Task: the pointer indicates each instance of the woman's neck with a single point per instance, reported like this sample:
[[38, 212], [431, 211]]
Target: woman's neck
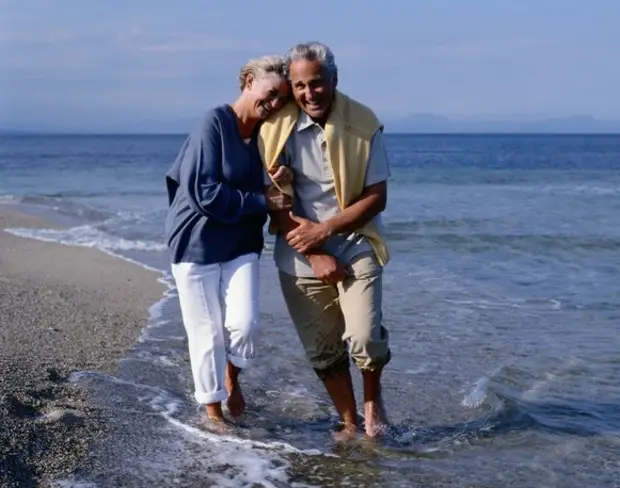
[[245, 122]]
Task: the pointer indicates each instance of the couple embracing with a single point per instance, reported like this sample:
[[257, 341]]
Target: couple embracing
[[294, 150]]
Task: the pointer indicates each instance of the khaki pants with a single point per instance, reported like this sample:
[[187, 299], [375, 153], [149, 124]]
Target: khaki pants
[[326, 317]]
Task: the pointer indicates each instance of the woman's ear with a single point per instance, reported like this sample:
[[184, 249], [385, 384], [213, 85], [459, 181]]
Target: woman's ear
[[249, 80]]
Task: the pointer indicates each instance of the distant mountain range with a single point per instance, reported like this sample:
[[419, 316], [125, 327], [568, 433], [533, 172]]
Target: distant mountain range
[[430, 123], [417, 123]]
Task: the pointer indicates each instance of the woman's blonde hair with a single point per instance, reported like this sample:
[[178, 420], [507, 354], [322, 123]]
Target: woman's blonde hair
[[260, 67]]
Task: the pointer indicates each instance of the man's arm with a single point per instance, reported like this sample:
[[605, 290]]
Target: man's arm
[[282, 221], [367, 207], [324, 266], [308, 235]]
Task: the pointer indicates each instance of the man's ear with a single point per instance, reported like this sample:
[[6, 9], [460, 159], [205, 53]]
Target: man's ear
[[335, 80]]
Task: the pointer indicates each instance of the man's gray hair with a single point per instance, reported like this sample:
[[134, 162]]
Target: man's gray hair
[[313, 51]]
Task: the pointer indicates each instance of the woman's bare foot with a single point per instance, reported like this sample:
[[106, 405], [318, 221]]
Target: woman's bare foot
[[214, 413], [375, 417], [236, 402], [214, 419], [218, 426]]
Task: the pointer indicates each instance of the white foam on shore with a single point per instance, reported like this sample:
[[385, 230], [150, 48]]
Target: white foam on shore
[[73, 483], [88, 236], [229, 461]]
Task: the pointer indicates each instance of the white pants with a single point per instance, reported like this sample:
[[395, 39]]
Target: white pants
[[214, 297]]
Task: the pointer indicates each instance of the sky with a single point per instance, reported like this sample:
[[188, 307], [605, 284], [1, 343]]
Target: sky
[[95, 63]]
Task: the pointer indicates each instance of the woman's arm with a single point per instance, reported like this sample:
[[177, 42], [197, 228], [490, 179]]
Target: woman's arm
[[201, 178]]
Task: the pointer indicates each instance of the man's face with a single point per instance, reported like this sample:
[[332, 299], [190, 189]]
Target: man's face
[[312, 90]]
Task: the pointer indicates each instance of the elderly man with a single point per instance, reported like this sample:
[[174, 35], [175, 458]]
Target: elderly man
[[330, 251]]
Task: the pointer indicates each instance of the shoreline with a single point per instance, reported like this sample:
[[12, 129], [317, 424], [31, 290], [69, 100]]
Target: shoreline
[[62, 309]]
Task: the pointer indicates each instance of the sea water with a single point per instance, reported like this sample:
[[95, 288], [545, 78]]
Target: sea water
[[502, 300]]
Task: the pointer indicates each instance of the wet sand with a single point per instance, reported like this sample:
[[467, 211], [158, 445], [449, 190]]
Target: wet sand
[[62, 309]]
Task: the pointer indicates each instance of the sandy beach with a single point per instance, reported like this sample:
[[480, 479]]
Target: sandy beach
[[62, 309]]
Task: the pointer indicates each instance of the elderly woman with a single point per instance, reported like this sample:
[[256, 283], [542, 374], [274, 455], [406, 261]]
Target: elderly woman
[[214, 231]]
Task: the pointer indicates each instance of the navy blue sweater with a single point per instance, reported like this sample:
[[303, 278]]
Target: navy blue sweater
[[217, 208]]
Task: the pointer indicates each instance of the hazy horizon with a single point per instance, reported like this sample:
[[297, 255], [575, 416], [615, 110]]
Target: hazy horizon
[[414, 124]]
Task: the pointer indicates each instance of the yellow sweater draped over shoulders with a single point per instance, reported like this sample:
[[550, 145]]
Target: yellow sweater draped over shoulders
[[349, 130]]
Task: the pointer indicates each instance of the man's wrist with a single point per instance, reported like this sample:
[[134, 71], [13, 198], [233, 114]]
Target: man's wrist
[[315, 253], [328, 229]]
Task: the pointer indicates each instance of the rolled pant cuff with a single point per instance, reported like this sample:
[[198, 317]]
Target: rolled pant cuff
[[239, 362], [333, 369], [376, 364], [207, 398]]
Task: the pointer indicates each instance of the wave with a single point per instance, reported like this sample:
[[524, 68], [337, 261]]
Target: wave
[[583, 189], [107, 193], [425, 234], [59, 205], [88, 236], [537, 407]]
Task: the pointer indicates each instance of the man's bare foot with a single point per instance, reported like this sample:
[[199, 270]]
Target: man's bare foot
[[375, 417], [236, 402], [348, 433]]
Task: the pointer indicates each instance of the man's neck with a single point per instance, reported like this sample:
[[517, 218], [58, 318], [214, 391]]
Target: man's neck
[[323, 120]]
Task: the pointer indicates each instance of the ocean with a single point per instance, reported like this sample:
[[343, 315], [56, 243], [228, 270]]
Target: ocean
[[502, 300]]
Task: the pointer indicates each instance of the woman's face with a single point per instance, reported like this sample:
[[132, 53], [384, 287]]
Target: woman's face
[[268, 94]]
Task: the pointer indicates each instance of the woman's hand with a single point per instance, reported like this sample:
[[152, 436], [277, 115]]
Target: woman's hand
[[282, 175]]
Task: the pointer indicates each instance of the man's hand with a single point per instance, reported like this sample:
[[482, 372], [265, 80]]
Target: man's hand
[[276, 200], [327, 268], [307, 235]]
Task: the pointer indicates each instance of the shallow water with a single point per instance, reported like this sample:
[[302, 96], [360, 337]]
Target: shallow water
[[502, 300]]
